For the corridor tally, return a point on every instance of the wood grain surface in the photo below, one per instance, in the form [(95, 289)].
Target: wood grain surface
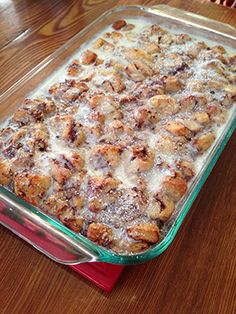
[(196, 274)]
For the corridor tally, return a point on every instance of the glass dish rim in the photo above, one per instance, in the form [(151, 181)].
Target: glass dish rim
[(103, 254)]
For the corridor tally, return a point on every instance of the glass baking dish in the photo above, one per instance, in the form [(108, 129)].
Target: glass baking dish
[(46, 233)]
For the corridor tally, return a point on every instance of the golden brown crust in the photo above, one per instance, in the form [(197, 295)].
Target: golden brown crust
[(102, 185), (177, 129), (175, 187), (164, 104), (161, 208), (31, 187), (201, 117), (203, 142), (142, 159), (185, 169), (5, 173), (74, 68), (106, 155), (74, 161), (119, 24), (99, 233), (55, 203), (77, 202), (88, 57), (145, 232), (145, 117), (59, 172), (138, 71), (172, 84), (67, 217), (74, 224)]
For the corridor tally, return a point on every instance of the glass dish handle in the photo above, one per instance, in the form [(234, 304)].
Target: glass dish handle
[(197, 20), (44, 236)]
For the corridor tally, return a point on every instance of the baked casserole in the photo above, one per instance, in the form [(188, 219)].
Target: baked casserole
[(110, 144)]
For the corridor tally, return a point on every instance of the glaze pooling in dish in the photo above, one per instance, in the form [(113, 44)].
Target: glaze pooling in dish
[(110, 142)]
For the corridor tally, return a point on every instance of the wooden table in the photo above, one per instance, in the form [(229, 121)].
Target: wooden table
[(195, 275)]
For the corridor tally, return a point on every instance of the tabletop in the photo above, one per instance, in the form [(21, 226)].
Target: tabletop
[(196, 274)]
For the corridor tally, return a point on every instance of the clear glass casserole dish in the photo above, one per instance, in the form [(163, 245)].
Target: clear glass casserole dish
[(47, 234)]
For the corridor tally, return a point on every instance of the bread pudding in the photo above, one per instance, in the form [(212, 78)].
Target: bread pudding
[(110, 143)]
